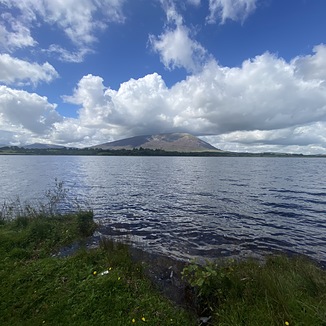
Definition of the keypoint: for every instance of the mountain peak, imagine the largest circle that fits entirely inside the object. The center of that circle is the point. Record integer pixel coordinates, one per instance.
(178, 142)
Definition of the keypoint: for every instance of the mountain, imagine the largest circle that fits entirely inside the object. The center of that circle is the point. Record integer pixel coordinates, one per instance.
(179, 142)
(42, 146)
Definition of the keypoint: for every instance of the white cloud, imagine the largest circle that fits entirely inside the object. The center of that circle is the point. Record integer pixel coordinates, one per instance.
(135, 108)
(89, 92)
(79, 20)
(14, 34)
(178, 50)
(77, 17)
(16, 71)
(266, 104)
(23, 112)
(70, 132)
(308, 139)
(237, 10)
(176, 47)
(265, 101)
(172, 15)
(312, 66)
(68, 56)
(263, 94)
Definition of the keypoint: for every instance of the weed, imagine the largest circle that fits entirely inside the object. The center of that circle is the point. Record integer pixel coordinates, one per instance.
(283, 289)
(86, 224)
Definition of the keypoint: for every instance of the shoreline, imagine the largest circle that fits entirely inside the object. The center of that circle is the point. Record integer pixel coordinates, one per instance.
(117, 284)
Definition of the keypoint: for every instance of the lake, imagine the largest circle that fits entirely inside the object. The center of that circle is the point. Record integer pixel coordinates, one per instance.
(188, 207)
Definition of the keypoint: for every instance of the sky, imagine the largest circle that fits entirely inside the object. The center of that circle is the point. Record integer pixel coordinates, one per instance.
(244, 75)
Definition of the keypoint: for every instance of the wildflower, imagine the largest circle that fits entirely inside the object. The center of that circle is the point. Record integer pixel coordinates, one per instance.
(143, 318)
(133, 320)
(105, 272)
(110, 268)
(94, 273)
(119, 278)
(287, 323)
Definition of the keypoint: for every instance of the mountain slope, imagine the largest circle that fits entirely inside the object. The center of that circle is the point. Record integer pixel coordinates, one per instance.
(42, 146)
(179, 142)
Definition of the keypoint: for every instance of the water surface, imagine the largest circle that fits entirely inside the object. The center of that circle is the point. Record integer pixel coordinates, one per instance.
(189, 207)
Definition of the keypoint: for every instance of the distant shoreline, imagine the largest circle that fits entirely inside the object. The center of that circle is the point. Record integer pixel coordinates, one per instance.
(14, 150)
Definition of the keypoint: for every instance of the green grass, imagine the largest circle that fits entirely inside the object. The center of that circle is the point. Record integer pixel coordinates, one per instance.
(104, 286)
(280, 291)
(39, 288)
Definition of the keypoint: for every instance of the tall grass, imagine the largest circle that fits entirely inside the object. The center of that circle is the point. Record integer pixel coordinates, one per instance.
(280, 291)
(56, 200)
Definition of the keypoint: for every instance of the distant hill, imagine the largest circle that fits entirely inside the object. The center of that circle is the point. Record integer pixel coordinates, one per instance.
(42, 146)
(179, 142)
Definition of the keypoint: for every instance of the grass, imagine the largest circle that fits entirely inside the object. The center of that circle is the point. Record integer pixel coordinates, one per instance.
(280, 291)
(92, 287)
(104, 286)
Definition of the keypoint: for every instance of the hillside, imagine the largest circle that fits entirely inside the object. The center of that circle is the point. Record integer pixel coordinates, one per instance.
(42, 146)
(179, 142)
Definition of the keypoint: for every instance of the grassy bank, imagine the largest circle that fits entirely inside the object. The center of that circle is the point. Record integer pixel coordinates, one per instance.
(280, 291)
(93, 287)
(104, 286)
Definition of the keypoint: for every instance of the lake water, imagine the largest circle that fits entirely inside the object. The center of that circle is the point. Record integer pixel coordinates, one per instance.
(189, 207)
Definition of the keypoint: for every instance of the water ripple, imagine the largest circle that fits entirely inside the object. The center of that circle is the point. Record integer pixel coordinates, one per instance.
(190, 207)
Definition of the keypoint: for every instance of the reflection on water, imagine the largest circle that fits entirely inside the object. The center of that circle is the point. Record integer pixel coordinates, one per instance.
(189, 207)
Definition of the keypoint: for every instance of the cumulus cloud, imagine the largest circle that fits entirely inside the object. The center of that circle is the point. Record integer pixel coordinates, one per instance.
(312, 66)
(265, 104)
(21, 112)
(70, 132)
(178, 50)
(237, 10)
(16, 71)
(263, 94)
(135, 108)
(265, 101)
(79, 20)
(176, 46)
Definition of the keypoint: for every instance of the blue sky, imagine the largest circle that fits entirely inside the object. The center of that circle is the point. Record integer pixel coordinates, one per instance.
(245, 75)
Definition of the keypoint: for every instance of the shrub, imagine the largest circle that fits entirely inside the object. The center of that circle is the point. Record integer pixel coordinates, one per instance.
(85, 223)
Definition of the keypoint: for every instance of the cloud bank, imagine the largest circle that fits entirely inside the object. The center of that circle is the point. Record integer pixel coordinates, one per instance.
(267, 101)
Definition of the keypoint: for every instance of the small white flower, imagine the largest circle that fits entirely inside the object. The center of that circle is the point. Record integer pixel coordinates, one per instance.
(105, 272)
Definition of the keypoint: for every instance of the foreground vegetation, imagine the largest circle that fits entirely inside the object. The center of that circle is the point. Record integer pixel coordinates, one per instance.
(280, 291)
(104, 286)
(91, 287)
